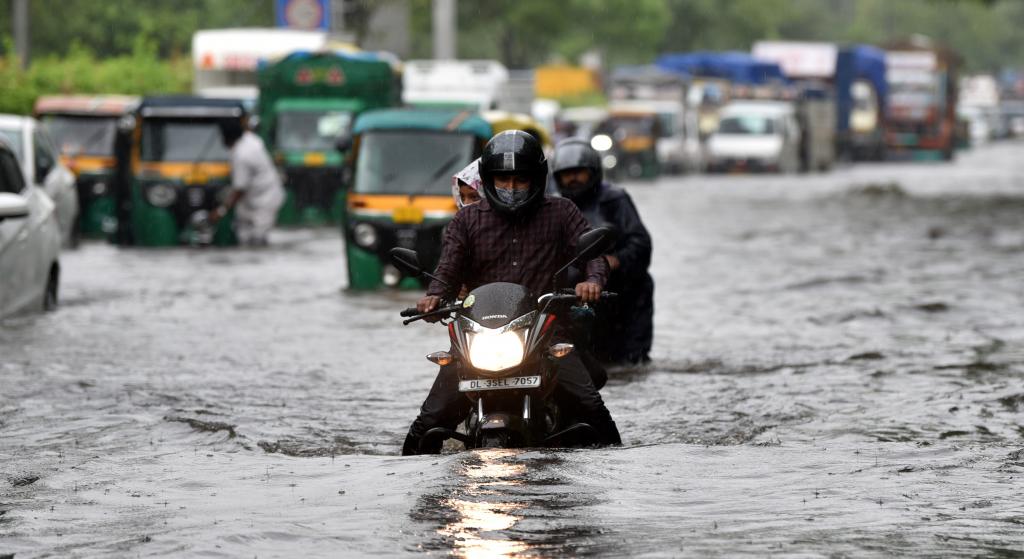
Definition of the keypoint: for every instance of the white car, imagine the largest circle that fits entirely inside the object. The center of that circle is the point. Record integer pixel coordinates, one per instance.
(29, 242)
(40, 163)
(756, 136)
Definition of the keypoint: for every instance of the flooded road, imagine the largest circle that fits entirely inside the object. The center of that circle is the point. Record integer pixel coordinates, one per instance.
(839, 370)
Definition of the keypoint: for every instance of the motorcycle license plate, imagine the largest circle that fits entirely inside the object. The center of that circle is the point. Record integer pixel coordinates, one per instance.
(479, 384)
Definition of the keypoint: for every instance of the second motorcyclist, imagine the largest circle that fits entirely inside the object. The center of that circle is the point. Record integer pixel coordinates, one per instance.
(625, 330)
(515, 234)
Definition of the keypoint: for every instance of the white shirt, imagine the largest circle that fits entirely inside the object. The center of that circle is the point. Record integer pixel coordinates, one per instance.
(253, 172)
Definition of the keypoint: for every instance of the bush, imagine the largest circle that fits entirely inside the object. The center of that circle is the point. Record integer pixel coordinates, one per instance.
(80, 72)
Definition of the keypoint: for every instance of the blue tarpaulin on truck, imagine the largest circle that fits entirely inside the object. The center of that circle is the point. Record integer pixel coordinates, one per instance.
(859, 62)
(737, 67)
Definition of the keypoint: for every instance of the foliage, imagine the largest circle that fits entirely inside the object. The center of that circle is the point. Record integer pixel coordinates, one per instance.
(80, 72)
(111, 28)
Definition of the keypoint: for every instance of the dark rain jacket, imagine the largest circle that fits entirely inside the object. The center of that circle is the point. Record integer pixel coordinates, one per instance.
(627, 329)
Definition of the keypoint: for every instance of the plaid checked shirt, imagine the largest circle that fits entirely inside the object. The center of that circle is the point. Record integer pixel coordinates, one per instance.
(483, 246)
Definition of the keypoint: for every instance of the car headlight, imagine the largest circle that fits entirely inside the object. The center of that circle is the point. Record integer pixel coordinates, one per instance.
(365, 235)
(601, 142)
(494, 350)
(161, 195)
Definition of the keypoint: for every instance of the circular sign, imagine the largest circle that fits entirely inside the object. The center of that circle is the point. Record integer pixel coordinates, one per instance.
(303, 14)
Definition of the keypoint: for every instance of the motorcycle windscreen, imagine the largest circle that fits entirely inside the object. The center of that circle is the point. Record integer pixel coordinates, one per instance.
(496, 304)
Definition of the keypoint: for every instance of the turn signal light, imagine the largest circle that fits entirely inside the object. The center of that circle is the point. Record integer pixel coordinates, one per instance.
(559, 351)
(442, 358)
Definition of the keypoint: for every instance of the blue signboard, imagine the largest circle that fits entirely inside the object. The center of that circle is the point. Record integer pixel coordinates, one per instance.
(303, 14)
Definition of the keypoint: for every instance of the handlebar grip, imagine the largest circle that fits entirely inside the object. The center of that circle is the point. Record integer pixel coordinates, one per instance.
(411, 311)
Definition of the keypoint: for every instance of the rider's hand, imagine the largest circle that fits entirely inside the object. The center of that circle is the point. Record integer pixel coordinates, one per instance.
(428, 303)
(588, 292)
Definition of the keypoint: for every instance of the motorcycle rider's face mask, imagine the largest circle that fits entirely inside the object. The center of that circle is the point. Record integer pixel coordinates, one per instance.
(512, 189)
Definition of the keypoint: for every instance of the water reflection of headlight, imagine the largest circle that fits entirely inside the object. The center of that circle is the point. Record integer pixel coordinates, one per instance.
(490, 350)
(601, 142)
(365, 235)
(161, 195)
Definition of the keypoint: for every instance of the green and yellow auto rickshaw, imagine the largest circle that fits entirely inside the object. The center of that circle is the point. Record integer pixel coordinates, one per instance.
(84, 128)
(173, 169)
(307, 101)
(403, 161)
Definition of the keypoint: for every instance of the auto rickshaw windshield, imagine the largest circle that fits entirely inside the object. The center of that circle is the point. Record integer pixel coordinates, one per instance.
(82, 135)
(311, 130)
(411, 162)
(182, 140)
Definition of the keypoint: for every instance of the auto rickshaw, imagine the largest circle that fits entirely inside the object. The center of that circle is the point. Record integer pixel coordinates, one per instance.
(501, 121)
(400, 195)
(627, 141)
(173, 169)
(84, 129)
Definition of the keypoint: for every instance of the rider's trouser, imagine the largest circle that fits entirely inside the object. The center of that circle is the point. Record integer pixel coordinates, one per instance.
(445, 406)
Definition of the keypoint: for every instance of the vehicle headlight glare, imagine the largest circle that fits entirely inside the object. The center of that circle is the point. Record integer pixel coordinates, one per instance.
(161, 195)
(494, 351)
(601, 142)
(365, 235)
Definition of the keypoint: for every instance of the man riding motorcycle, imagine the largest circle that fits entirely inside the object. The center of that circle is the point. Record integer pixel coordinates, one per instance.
(624, 333)
(515, 234)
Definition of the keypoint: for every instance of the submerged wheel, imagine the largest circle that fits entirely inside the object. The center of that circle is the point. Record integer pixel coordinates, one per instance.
(52, 286)
(494, 440)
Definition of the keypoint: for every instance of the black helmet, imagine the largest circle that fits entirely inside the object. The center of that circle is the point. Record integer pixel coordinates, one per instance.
(576, 153)
(514, 152)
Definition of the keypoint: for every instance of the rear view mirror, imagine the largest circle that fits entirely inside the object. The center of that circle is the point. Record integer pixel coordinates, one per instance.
(594, 243)
(343, 143)
(12, 206)
(406, 260)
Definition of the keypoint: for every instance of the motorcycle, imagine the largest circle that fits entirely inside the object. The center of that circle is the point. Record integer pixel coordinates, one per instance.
(503, 345)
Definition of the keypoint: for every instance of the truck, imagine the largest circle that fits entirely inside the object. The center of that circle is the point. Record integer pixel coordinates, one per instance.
(308, 101)
(923, 82)
(226, 61)
(852, 76)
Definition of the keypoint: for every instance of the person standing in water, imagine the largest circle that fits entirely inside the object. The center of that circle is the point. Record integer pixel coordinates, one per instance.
(256, 190)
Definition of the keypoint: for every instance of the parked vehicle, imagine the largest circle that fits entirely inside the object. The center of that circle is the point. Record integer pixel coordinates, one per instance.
(29, 241)
(923, 97)
(308, 100)
(756, 136)
(400, 194)
(173, 169)
(84, 130)
(41, 166)
(502, 343)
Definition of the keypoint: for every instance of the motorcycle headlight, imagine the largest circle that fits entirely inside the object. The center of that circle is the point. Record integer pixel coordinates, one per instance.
(365, 235)
(161, 195)
(497, 349)
(609, 161)
(492, 350)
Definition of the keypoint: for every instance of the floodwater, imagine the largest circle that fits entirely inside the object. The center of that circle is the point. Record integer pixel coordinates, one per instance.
(838, 371)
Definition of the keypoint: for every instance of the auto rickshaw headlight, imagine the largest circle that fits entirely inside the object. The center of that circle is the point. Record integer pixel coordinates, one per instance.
(99, 188)
(365, 235)
(161, 195)
(601, 142)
